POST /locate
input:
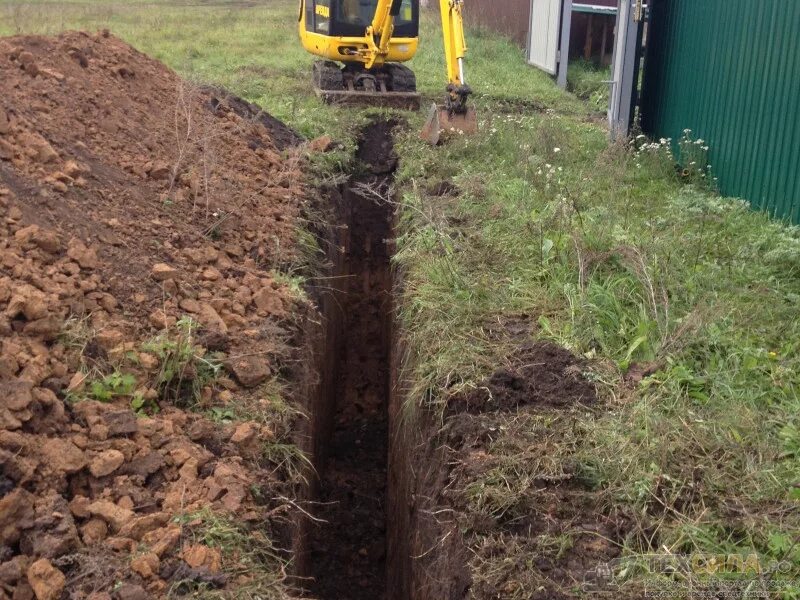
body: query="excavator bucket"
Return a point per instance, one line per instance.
(442, 122)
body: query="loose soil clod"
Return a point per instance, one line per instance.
(540, 374)
(496, 510)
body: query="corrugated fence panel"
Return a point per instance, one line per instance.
(729, 70)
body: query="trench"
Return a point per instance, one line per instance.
(346, 547)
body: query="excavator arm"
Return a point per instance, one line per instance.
(456, 114)
(379, 33)
(455, 49)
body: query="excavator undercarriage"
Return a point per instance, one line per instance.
(390, 85)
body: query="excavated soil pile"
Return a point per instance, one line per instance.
(130, 200)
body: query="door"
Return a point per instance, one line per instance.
(624, 92)
(543, 34)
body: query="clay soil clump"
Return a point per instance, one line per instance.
(145, 225)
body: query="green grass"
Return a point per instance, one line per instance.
(248, 556)
(588, 81)
(613, 256)
(606, 251)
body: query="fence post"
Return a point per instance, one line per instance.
(563, 54)
(625, 74)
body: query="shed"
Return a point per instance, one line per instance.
(561, 30)
(592, 30)
(538, 25)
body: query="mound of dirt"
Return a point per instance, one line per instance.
(144, 226)
(497, 507)
(540, 374)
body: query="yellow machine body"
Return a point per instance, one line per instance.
(360, 31)
(334, 48)
(371, 38)
(399, 50)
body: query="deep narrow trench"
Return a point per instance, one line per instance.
(348, 551)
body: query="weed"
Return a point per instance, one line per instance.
(214, 232)
(589, 82)
(144, 406)
(289, 460)
(693, 158)
(248, 555)
(183, 371)
(271, 408)
(295, 283)
(688, 158)
(112, 386)
(222, 415)
(76, 333)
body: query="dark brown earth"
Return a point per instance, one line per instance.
(512, 423)
(541, 374)
(128, 200)
(349, 552)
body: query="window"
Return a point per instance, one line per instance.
(322, 16)
(350, 18)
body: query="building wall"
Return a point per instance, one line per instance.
(729, 70)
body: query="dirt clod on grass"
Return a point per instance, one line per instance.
(145, 225)
(500, 505)
(541, 374)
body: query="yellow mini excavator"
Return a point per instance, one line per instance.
(371, 38)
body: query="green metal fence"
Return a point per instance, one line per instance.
(729, 70)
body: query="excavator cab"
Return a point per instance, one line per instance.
(355, 70)
(350, 18)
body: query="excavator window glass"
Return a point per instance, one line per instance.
(318, 16)
(350, 18)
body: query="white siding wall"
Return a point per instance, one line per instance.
(543, 37)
